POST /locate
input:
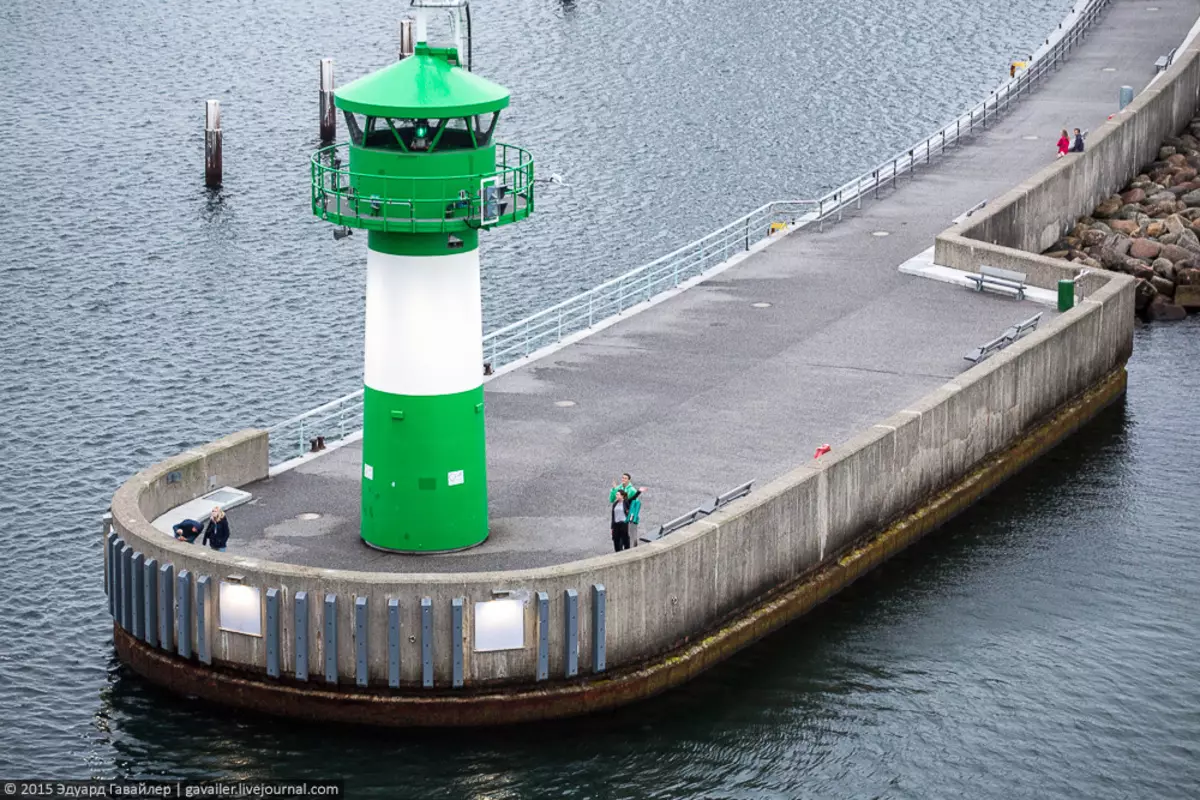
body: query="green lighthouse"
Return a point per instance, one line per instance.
(423, 175)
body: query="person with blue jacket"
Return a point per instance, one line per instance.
(216, 530)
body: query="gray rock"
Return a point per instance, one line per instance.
(1164, 268)
(1192, 199)
(1175, 253)
(1165, 287)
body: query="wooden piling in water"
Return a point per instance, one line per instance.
(328, 112)
(212, 143)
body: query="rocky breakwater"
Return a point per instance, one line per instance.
(1151, 230)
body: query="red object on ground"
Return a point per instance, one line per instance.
(822, 450)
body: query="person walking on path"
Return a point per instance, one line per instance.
(216, 530)
(1064, 144)
(1077, 145)
(619, 519)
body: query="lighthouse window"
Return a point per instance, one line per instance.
(354, 126)
(484, 134)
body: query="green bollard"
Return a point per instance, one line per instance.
(1066, 294)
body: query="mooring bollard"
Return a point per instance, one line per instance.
(328, 112)
(212, 143)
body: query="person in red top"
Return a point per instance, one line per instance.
(1064, 144)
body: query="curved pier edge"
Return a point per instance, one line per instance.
(245, 691)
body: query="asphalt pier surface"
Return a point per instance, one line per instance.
(710, 388)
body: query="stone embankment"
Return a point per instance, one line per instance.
(1151, 230)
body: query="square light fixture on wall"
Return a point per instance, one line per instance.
(239, 609)
(499, 625)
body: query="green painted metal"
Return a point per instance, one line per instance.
(1066, 295)
(399, 192)
(413, 447)
(423, 244)
(423, 174)
(424, 85)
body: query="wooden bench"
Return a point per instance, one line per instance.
(1004, 281)
(1165, 61)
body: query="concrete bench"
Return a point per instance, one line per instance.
(1165, 61)
(1004, 281)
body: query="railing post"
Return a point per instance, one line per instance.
(592, 297)
(747, 233)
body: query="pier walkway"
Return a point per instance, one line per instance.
(710, 389)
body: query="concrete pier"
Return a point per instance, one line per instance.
(693, 396)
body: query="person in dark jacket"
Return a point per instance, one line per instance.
(1077, 145)
(216, 530)
(187, 531)
(619, 517)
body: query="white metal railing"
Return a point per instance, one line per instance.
(343, 416)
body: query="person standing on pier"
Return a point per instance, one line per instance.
(1064, 144)
(634, 512)
(216, 530)
(619, 519)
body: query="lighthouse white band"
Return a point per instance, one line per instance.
(424, 326)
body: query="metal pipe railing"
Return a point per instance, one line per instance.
(665, 273)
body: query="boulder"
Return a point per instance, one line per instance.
(1109, 207)
(1187, 277)
(1165, 152)
(1143, 293)
(1145, 249)
(1059, 254)
(1160, 309)
(1126, 226)
(1078, 231)
(1164, 286)
(1190, 213)
(1111, 259)
(1176, 159)
(1129, 211)
(1185, 174)
(1101, 226)
(1155, 229)
(1118, 242)
(1133, 196)
(1175, 253)
(1161, 197)
(1164, 268)
(1140, 270)
(1169, 238)
(1091, 262)
(1192, 198)
(1092, 238)
(1188, 297)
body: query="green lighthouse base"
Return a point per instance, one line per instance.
(424, 481)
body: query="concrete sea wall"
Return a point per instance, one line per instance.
(1029, 218)
(662, 596)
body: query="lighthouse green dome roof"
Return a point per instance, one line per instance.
(423, 85)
